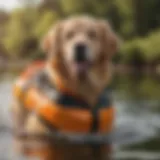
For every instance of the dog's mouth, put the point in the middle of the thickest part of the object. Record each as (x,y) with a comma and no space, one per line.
(81,69)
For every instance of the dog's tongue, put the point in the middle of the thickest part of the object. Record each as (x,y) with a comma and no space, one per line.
(81,68)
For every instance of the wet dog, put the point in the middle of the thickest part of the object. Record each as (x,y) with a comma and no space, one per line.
(79,52)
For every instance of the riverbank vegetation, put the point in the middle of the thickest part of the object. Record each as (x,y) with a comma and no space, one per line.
(136,22)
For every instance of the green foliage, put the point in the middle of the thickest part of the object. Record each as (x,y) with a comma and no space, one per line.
(93,7)
(137,87)
(19,36)
(146,50)
(136,21)
(151,46)
(125,13)
(44,22)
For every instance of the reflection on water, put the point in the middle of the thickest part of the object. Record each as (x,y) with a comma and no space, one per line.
(50,151)
(136,136)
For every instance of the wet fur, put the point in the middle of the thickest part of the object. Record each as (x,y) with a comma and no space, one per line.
(100,74)
(96,80)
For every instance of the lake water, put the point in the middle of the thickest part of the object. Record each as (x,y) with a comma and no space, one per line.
(137,134)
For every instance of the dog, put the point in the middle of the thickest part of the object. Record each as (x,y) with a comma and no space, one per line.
(79,52)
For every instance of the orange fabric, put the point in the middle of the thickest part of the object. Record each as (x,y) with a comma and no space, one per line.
(106,118)
(25,76)
(17,91)
(32,69)
(65,119)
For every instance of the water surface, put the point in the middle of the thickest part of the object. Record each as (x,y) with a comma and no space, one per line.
(137,102)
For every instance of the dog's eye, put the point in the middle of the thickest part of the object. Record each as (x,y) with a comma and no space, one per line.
(70,35)
(92,34)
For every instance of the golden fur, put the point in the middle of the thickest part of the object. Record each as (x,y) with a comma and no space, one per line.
(58,43)
(103,43)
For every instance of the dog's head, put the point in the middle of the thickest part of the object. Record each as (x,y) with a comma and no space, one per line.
(81,44)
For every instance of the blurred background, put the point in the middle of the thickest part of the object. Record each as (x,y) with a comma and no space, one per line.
(136,84)
(23,24)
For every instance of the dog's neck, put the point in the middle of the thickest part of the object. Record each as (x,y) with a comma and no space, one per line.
(88,90)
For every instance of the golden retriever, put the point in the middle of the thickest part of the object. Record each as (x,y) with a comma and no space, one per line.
(79,52)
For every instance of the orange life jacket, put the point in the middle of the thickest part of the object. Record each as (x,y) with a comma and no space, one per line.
(60,110)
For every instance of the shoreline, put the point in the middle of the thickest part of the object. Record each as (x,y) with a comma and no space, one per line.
(9,66)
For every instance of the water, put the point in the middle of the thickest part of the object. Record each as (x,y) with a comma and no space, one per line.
(136,137)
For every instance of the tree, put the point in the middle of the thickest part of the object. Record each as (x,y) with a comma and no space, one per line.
(146,15)
(19,39)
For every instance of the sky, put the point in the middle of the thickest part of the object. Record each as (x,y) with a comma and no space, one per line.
(8,4)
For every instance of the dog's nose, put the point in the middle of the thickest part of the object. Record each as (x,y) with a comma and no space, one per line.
(80,52)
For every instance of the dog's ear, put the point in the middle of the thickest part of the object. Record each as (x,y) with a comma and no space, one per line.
(51,42)
(110,42)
